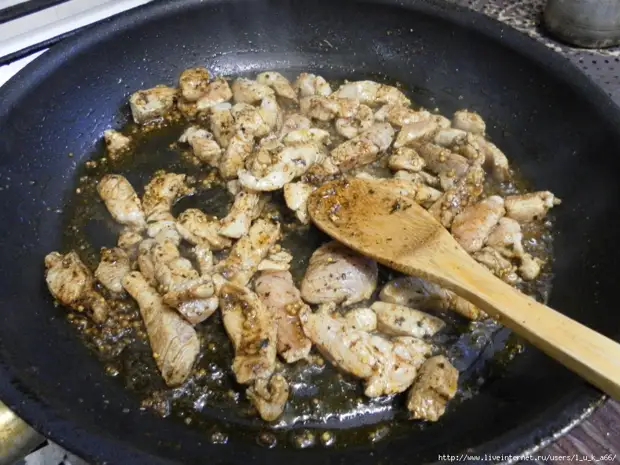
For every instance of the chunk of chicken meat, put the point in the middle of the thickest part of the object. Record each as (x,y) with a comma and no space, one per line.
(415,292)
(278,83)
(249,121)
(204,146)
(239,148)
(152,104)
(440,160)
(245,209)
(121,201)
(501,267)
(435,386)
(473,225)
(293,122)
(279,294)
(372,93)
(116,143)
(362,319)
(507,239)
(173,341)
(407,159)
(398,320)
(194,83)
(529,207)
(328,108)
(286,165)
(271,113)
(277,260)
(296,196)
(269,396)
(365,148)
(449,137)
(311,84)
(199,229)
(71,283)
(468,121)
(249,91)
(306,136)
(181,285)
(421,177)
(114,265)
(222,124)
(416,191)
(159,195)
(360,122)
(495,161)
(400,115)
(337,274)
(250,327)
(217,93)
(413,133)
(388,367)
(465,191)
(248,252)
(129,240)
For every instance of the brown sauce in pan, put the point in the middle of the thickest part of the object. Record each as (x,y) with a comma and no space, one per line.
(324,404)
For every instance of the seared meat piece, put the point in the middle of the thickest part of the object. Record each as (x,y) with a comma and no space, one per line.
(363,319)
(407,159)
(173,340)
(194,83)
(206,149)
(293,122)
(473,225)
(328,108)
(398,320)
(250,327)
(269,396)
(271,113)
(388,367)
(114,265)
(248,252)
(279,83)
(217,92)
(372,93)
(129,240)
(296,197)
(284,166)
(151,104)
(507,238)
(181,285)
(529,207)
(400,115)
(116,143)
(306,136)
(145,261)
(71,284)
(435,386)
(277,260)
(364,148)
(249,121)
(222,124)
(199,229)
(311,84)
(465,191)
(249,91)
(414,133)
(442,161)
(421,177)
(159,195)
(360,122)
(468,121)
(246,208)
(494,159)
(121,201)
(239,148)
(337,274)
(280,295)
(449,137)
(416,292)
(494,261)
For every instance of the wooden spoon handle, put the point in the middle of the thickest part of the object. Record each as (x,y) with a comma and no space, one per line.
(586,352)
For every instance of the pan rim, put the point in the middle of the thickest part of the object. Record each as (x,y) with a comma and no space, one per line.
(571,409)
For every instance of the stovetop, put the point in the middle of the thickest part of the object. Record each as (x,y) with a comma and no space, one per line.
(28,28)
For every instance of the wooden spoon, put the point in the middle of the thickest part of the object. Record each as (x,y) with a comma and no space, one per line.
(379,220)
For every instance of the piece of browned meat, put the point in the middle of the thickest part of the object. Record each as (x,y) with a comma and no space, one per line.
(435,385)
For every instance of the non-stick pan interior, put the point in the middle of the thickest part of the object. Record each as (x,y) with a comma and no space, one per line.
(560,130)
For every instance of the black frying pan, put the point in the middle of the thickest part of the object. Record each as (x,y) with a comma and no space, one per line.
(558,127)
